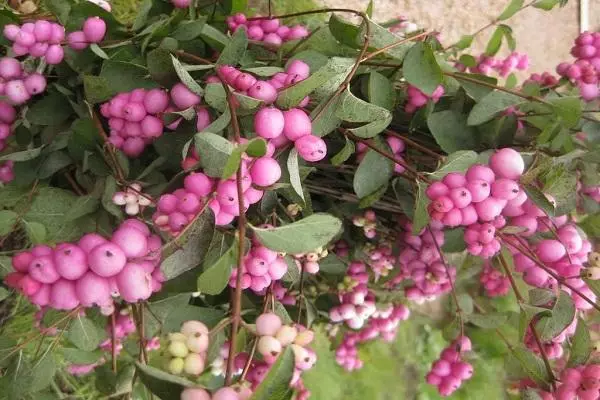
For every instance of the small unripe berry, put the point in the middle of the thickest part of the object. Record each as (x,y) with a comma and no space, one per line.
(192,327)
(197,342)
(269,346)
(286,335)
(178,349)
(175,367)
(194,364)
(268,324)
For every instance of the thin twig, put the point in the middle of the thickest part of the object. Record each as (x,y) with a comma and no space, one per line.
(395,44)
(113,338)
(414,144)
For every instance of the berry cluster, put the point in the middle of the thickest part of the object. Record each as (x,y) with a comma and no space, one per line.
(261,267)
(269,31)
(94,30)
(421,263)
(493,281)
(396,145)
(449,372)
(132,198)
(382,323)
(486,65)
(134,119)
(39,39)
(368,222)
(585,71)
(309,262)
(544,79)
(271,123)
(188,349)
(554,347)
(92,271)
(482,194)
(582,382)
(381,257)
(17,85)
(417,99)
(7,117)
(357,303)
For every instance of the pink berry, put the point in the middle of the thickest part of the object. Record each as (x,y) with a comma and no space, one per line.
(89,241)
(441,368)
(265,171)
(42,30)
(134,283)
(192,393)
(70,261)
(11,31)
(107,259)
(272,39)
(21,261)
(437,189)
(264,91)
(227,192)
(298,67)
(311,148)
(54,54)
(505,189)
(454,180)
(156,101)
(489,208)
(133,242)
(16,92)
(10,68)
(507,163)
(226,393)
(296,124)
(63,296)
(133,146)
(183,97)
(42,269)
(35,84)
(461,197)
(199,184)
(297,32)
(480,172)
(244,82)
(25,39)
(189,204)
(92,289)
(58,34)
(255,33)
(550,250)
(77,40)
(269,122)
(42,296)
(268,324)
(94,29)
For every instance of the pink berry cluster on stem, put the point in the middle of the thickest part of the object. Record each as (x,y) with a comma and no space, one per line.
(486,65)
(367,221)
(417,99)
(585,71)
(92,272)
(41,39)
(93,31)
(450,371)
(493,281)
(262,266)
(18,85)
(268,31)
(187,349)
(133,199)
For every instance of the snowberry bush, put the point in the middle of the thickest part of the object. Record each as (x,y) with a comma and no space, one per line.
(188,201)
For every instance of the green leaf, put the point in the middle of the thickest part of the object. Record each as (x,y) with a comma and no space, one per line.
(52,109)
(42,373)
(532,365)
(381,37)
(373,172)
(344,154)
(539,199)
(568,109)
(189,30)
(189,249)
(343,31)
(546,5)
(301,236)
(294,171)
(60,8)
(513,7)
(276,385)
(24,155)
(4,293)
(256,147)
(214,37)
(489,320)
(77,356)
(161,383)
(421,68)
(451,132)
(234,6)
(53,163)
(492,104)
(216,97)
(530,394)
(476,90)
(332,265)
(591,225)
(421,215)
(216,276)
(160,67)
(562,316)
(380,90)
(353,109)
(336,67)
(214,152)
(123,76)
(185,77)
(97,50)
(454,241)
(110,188)
(84,334)
(97,89)
(495,41)
(465,41)
(233,162)
(234,51)
(327,121)
(36,232)
(581,345)
(8,220)
(263,71)
(458,161)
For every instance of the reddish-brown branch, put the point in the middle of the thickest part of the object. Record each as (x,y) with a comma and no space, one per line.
(395,44)
(414,144)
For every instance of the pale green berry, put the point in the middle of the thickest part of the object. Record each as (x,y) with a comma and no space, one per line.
(175,366)
(178,349)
